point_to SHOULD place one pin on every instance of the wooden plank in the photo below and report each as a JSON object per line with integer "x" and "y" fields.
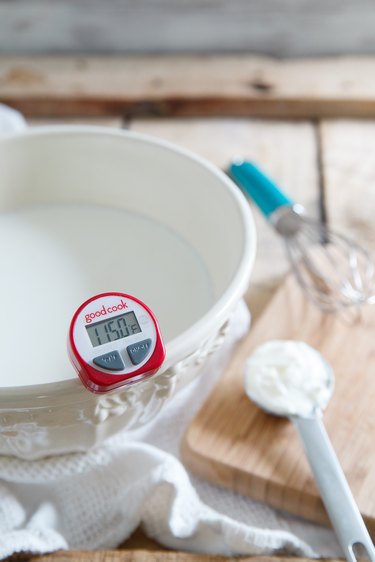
{"x": 231, "y": 442}
{"x": 278, "y": 27}
{"x": 286, "y": 150}
{"x": 114, "y": 121}
{"x": 162, "y": 556}
{"x": 349, "y": 177}
{"x": 232, "y": 85}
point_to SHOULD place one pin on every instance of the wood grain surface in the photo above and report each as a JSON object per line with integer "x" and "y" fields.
{"x": 349, "y": 170}
{"x": 161, "y": 556}
{"x": 234, "y": 85}
{"x": 233, "y": 443}
{"x": 278, "y": 27}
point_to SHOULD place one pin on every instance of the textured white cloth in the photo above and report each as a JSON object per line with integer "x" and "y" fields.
{"x": 97, "y": 499}
{"x": 11, "y": 121}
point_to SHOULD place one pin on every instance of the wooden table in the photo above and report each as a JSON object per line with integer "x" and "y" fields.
{"x": 309, "y": 123}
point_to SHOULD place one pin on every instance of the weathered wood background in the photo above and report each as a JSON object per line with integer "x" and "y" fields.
{"x": 281, "y": 28}
{"x": 189, "y": 85}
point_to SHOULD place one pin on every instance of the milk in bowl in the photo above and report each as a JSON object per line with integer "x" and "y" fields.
{"x": 88, "y": 210}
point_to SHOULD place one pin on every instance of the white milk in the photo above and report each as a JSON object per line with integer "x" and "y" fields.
{"x": 54, "y": 257}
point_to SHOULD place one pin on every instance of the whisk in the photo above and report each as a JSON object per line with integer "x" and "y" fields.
{"x": 334, "y": 270}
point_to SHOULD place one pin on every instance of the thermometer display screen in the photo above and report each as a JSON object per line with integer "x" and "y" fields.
{"x": 116, "y": 328}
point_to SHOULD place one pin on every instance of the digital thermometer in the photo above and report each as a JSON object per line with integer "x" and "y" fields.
{"x": 114, "y": 340}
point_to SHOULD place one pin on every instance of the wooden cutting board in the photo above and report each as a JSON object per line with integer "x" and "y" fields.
{"x": 233, "y": 443}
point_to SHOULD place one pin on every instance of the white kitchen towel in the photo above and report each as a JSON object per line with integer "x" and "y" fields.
{"x": 11, "y": 121}
{"x": 97, "y": 499}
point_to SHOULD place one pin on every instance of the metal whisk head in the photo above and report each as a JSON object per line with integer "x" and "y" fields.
{"x": 334, "y": 271}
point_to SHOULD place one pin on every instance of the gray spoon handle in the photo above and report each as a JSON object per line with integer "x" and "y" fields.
{"x": 334, "y": 489}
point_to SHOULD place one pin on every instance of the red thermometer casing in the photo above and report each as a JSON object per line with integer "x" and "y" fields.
{"x": 114, "y": 340}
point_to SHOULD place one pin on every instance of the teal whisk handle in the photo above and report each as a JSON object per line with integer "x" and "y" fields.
{"x": 262, "y": 190}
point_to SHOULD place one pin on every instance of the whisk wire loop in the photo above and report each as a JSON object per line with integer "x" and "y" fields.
{"x": 334, "y": 271}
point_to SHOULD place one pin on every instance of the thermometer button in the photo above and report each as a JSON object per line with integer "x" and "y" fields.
{"x": 139, "y": 351}
{"x": 111, "y": 361}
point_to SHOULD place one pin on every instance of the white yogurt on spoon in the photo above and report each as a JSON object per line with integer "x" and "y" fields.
{"x": 288, "y": 378}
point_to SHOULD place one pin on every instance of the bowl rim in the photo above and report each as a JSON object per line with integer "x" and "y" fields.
{"x": 188, "y": 341}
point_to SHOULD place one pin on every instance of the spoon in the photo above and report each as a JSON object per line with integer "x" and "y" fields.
{"x": 274, "y": 380}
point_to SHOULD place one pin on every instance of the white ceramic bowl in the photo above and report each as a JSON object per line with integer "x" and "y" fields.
{"x": 188, "y": 255}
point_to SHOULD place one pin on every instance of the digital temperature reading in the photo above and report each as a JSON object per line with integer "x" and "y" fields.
{"x": 114, "y": 340}
{"x": 119, "y": 327}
